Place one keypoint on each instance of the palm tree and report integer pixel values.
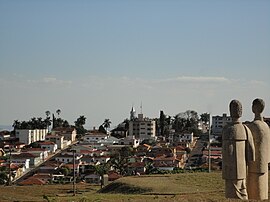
(58, 112)
(48, 113)
(16, 124)
(107, 124)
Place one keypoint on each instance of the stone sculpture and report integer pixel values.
(237, 151)
(257, 180)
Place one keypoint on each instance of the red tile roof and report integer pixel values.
(47, 143)
(137, 165)
(32, 181)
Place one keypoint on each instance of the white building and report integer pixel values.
(27, 136)
(218, 122)
(57, 139)
(142, 128)
(95, 137)
(130, 140)
(49, 146)
(67, 158)
(69, 133)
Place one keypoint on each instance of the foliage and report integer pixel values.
(58, 112)
(186, 122)
(59, 122)
(163, 124)
(65, 170)
(3, 178)
(102, 129)
(33, 123)
(119, 162)
(107, 124)
(79, 125)
(205, 117)
(150, 142)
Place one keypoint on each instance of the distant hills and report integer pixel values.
(6, 127)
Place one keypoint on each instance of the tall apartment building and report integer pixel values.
(218, 122)
(142, 128)
(28, 136)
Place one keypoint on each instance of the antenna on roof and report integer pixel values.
(141, 107)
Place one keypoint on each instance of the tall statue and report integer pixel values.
(237, 151)
(257, 180)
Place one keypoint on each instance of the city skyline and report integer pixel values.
(98, 58)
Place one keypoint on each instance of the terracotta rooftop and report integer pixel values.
(47, 143)
(32, 181)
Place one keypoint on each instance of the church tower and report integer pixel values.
(132, 113)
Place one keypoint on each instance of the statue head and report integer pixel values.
(235, 109)
(258, 106)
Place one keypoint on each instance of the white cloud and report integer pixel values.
(53, 80)
(198, 79)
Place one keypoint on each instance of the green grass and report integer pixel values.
(176, 187)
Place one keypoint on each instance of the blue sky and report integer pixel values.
(97, 58)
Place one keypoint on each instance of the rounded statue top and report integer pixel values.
(235, 109)
(258, 106)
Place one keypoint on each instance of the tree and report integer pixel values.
(101, 170)
(48, 113)
(65, 170)
(186, 121)
(107, 124)
(162, 123)
(3, 178)
(79, 123)
(205, 117)
(58, 112)
(16, 124)
(102, 129)
(48, 122)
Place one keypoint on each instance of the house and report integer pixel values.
(95, 137)
(161, 151)
(175, 138)
(38, 152)
(4, 135)
(166, 162)
(142, 150)
(57, 139)
(20, 158)
(130, 140)
(67, 157)
(101, 159)
(71, 166)
(114, 149)
(48, 146)
(136, 167)
(109, 141)
(28, 136)
(119, 132)
(12, 146)
(32, 181)
(17, 170)
(50, 167)
(69, 133)
(93, 179)
(82, 147)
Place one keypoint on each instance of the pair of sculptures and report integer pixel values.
(245, 154)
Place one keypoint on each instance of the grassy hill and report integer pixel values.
(177, 187)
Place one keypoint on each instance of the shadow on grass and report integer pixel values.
(122, 188)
